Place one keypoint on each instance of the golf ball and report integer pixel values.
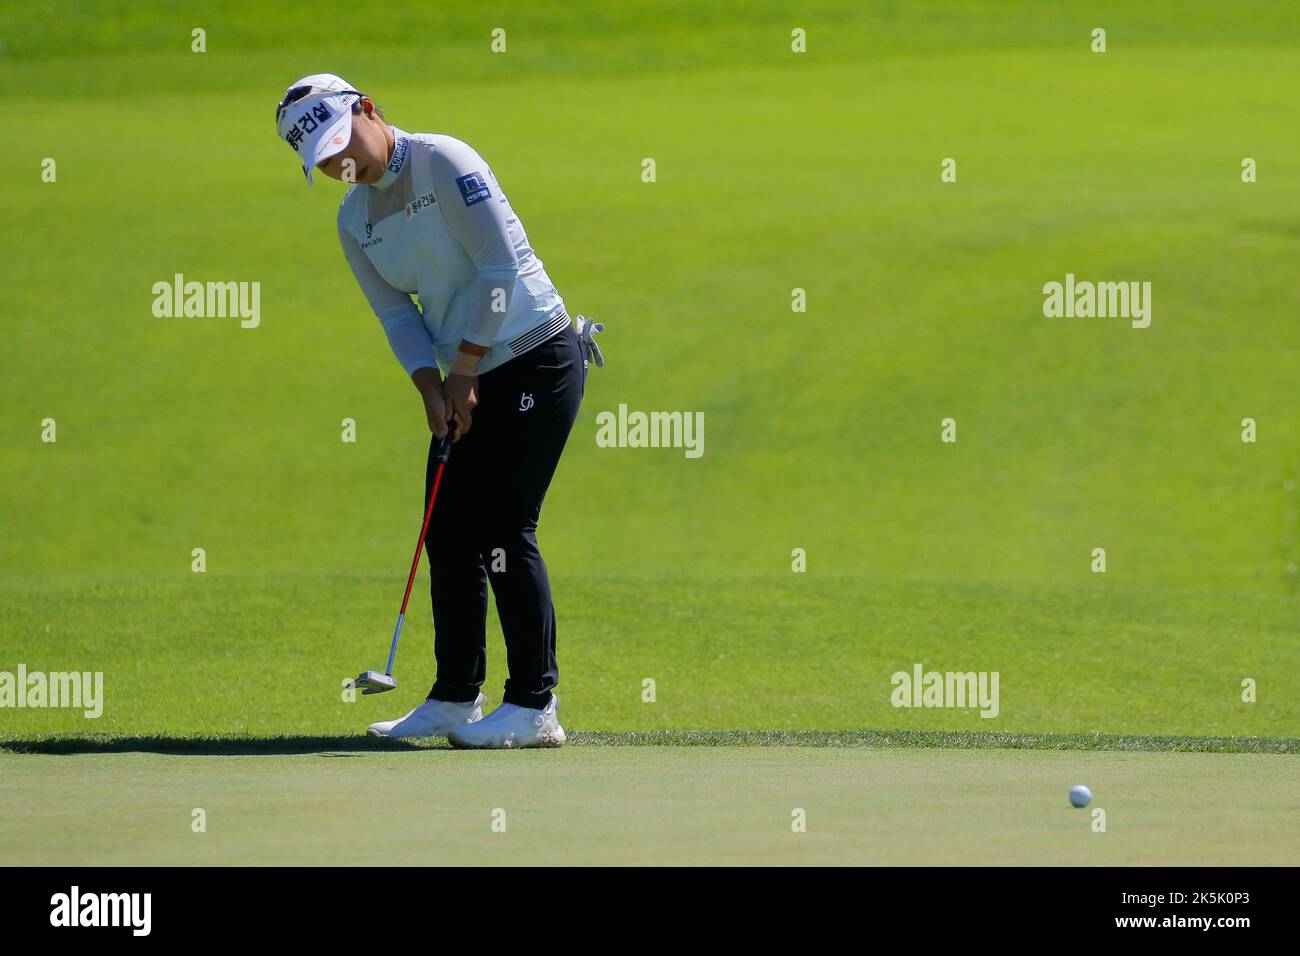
(1080, 796)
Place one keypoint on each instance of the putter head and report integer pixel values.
(373, 682)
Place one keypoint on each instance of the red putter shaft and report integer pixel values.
(443, 454)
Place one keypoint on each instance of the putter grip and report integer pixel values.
(444, 450)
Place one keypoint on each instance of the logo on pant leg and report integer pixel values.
(525, 401)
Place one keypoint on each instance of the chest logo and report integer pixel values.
(418, 204)
(525, 401)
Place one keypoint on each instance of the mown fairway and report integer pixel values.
(775, 171)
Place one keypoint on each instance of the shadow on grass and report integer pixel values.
(356, 744)
(232, 746)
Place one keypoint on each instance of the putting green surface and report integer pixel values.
(649, 805)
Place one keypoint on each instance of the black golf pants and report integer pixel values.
(484, 524)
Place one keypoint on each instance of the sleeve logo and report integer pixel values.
(473, 188)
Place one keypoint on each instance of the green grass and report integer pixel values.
(775, 171)
(246, 654)
(648, 805)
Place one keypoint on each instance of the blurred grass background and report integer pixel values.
(775, 171)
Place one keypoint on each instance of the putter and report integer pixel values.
(373, 682)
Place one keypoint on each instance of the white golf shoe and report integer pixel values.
(433, 718)
(511, 726)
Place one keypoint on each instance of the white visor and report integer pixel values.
(318, 123)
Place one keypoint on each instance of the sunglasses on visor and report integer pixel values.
(303, 92)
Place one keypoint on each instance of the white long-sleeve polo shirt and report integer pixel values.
(438, 226)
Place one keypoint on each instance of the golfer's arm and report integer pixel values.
(428, 380)
(401, 319)
(483, 231)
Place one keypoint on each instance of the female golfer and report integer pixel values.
(492, 352)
